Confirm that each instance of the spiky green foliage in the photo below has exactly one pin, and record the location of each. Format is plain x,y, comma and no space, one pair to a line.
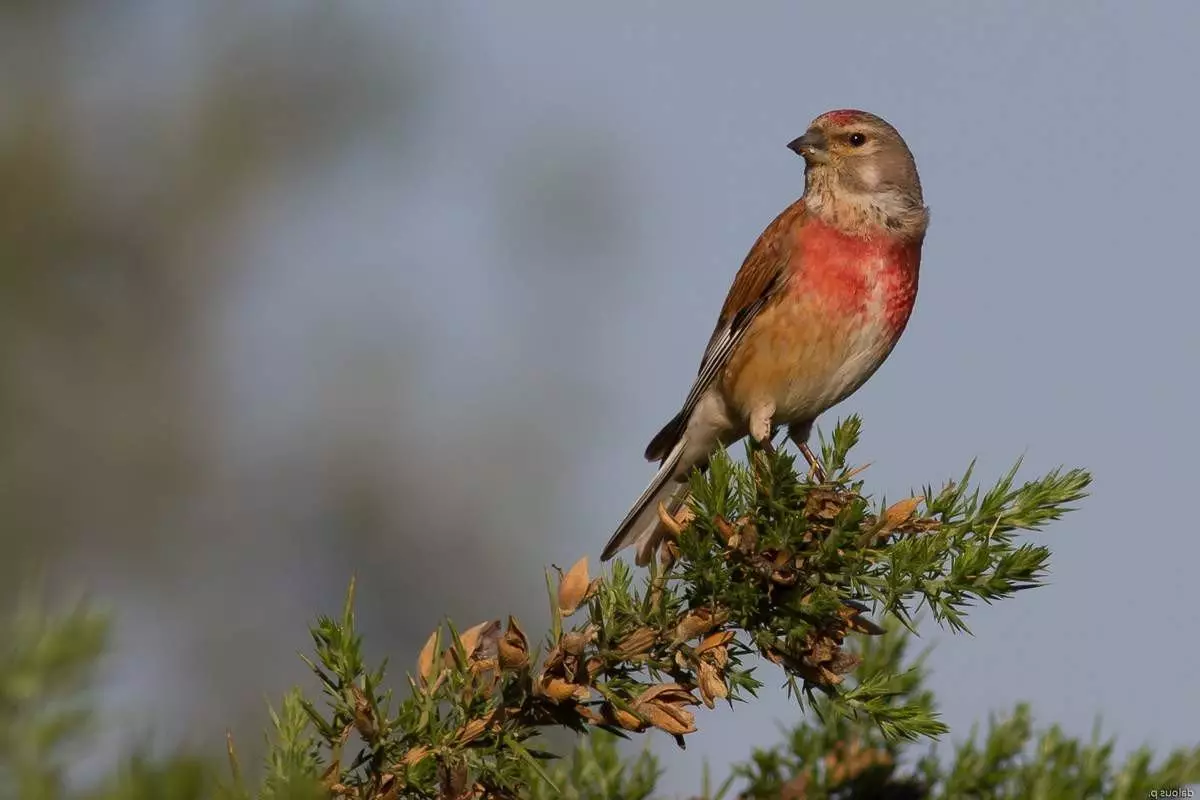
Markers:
818,551
770,564
829,757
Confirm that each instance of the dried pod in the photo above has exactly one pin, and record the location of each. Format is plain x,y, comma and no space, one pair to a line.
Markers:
843,663
414,755
560,691
899,513
715,639
484,666
807,672
590,715
479,642
698,623
819,649
672,719
719,656
622,718
553,664
473,730
823,504
573,587
663,706
637,643
513,647
672,693
593,589
574,642
428,653
747,536
364,718
725,530
711,684
828,676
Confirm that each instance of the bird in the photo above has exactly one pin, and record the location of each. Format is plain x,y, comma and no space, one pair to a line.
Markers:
819,303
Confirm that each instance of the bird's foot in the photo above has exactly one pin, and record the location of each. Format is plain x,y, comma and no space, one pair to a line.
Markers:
816,471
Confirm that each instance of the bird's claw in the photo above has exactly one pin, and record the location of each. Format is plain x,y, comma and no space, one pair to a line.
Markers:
815,469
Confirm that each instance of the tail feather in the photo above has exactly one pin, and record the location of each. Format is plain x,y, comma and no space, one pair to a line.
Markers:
641,523
666,439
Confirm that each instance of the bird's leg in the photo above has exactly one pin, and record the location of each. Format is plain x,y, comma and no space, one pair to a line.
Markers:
761,427
818,472
762,431
799,435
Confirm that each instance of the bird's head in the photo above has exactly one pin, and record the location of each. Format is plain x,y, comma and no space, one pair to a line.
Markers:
859,170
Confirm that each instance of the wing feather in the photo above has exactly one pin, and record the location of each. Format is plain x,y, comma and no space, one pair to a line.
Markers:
758,283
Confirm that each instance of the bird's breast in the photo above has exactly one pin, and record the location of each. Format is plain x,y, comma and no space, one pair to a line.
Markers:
846,303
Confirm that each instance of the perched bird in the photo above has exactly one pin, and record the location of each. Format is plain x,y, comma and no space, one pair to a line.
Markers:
817,306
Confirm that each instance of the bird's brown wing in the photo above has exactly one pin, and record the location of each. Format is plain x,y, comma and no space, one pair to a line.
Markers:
757,285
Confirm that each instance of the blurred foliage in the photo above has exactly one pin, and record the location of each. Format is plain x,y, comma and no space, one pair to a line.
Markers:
596,770
119,184
47,675
44,666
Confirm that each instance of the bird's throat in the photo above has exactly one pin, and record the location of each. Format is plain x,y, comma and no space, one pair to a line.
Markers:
882,212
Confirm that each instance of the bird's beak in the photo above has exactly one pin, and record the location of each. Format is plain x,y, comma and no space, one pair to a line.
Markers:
811,147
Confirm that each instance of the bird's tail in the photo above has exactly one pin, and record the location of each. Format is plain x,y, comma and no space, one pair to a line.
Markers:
641,525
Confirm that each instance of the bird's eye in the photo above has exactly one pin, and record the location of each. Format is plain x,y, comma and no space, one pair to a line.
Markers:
857,140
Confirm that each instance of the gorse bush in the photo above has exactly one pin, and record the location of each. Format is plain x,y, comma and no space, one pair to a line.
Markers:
765,571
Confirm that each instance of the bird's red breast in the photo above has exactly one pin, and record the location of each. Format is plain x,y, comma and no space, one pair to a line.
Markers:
847,299
852,274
